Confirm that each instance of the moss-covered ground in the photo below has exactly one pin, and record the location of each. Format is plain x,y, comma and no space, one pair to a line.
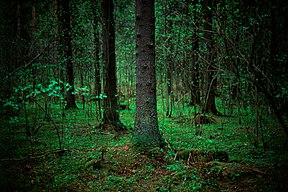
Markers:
91,159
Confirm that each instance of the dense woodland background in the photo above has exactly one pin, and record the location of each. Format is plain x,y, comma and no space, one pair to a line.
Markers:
68,96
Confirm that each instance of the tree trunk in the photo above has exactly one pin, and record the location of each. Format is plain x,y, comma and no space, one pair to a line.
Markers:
8,55
194,88
66,47
211,81
111,108
169,64
97,92
146,131
33,27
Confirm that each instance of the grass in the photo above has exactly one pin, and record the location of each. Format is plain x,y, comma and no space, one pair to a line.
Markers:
99,160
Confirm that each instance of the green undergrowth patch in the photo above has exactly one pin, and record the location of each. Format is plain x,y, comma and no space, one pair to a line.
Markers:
92,159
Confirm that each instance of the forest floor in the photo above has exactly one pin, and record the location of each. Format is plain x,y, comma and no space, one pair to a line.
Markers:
90,159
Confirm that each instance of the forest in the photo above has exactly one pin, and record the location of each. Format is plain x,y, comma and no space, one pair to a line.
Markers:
144,95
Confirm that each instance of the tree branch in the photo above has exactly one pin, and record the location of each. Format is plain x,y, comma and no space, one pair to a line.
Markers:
26,65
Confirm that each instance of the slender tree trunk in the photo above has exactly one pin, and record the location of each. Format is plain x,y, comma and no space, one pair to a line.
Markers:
82,85
33,25
23,41
96,15
146,131
18,18
273,43
111,108
169,66
66,46
211,81
195,89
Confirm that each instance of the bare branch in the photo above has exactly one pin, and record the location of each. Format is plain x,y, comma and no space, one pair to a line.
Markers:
26,65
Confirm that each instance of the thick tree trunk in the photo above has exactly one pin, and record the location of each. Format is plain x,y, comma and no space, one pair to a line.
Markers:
66,47
146,131
111,113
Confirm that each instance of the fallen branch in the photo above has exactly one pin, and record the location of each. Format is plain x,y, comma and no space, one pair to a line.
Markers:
255,170
36,156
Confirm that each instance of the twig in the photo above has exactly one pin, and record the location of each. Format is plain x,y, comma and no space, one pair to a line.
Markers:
57,129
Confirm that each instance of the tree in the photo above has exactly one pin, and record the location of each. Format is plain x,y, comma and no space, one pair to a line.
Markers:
169,60
66,47
146,131
195,92
96,16
8,52
211,82
111,108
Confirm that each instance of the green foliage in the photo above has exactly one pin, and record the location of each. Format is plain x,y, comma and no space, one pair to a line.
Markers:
152,170
243,53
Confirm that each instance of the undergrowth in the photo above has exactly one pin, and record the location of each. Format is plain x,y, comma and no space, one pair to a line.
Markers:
91,159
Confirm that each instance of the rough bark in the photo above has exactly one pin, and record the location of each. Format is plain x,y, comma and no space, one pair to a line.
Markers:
146,132
66,47
111,108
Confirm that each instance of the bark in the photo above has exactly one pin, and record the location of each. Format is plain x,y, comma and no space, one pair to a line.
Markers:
95,11
66,47
146,132
33,26
195,91
169,65
111,108
211,82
